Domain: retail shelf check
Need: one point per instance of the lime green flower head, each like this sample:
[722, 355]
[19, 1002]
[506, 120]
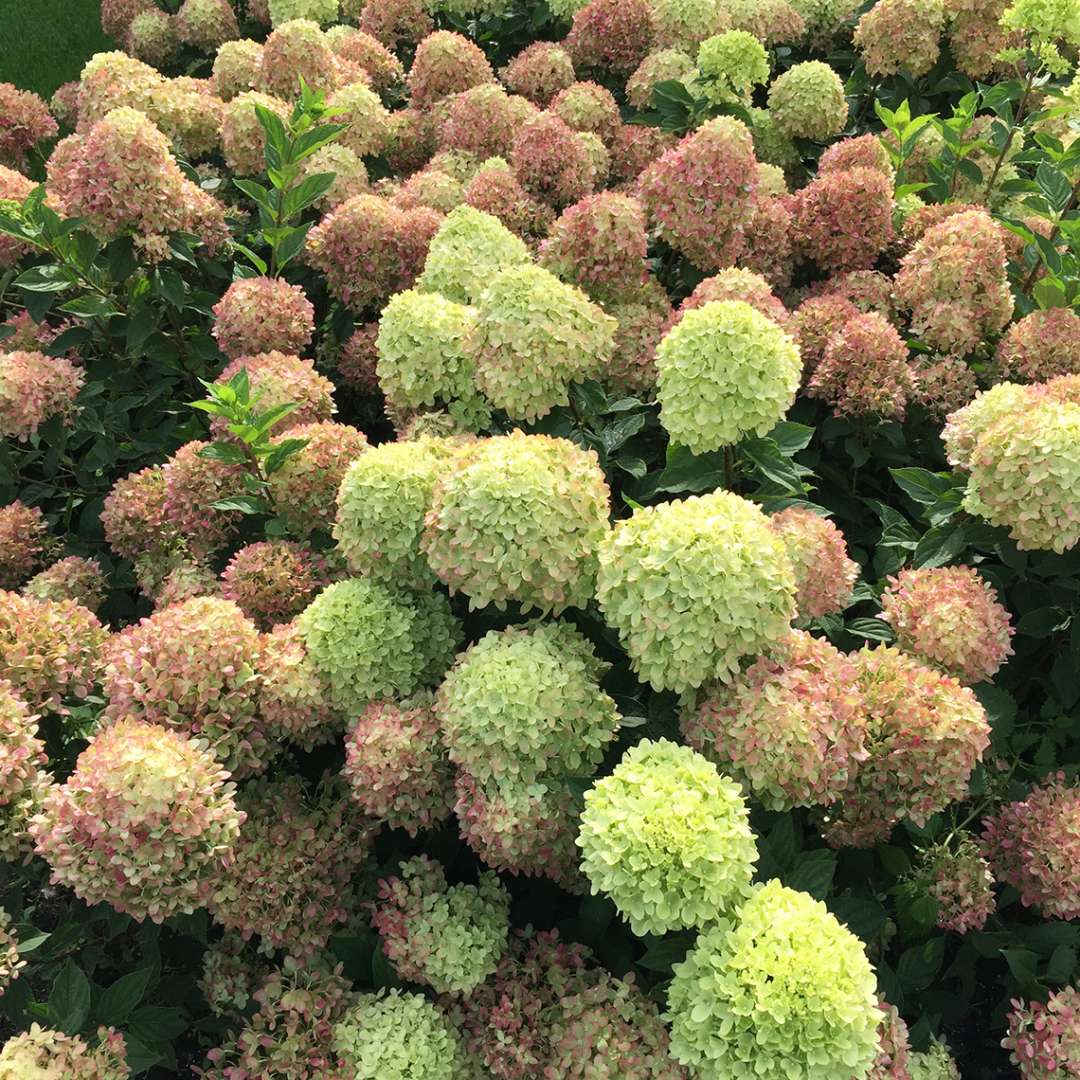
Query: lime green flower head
[320, 11]
[1051, 20]
[469, 248]
[525, 703]
[520, 518]
[725, 371]
[935, 1063]
[694, 586]
[731, 65]
[667, 838]
[808, 101]
[399, 1036]
[367, 642]
[422, 357]
[381, 506]
[781, 992]
[534, 336]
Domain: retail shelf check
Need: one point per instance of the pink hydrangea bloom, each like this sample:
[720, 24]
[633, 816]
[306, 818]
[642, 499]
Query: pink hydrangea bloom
[358, 357]
[552, 162]
[24, 540]
[1040, 346]
[960, 883]
[1034, 845]
[824, 575]
[371, 56]
[950, 617]
[901, 34]
[396, 765]
[293, 699]
[736, 284]
[496, 191]
[396, 22]
[539, 72]
[925, 733]
[943, 384]
[858, 152]
[15, 187]
[767, 242]
[35, 388]
[445, 63]
[74, 578]
[893, 1047]
[141, 822]
[611, 36]
[134, 515]
[192, 485]
[296, 50]
[280, 379]
[700, 192]
[273, 580]
[206, 24]
[587, 107]
[1044, 1039]
[260, 314]
[814, 323]
[24, 121]
[790, 727]
[116, 15]
[24, 776]
[193, 667]
[864, 370]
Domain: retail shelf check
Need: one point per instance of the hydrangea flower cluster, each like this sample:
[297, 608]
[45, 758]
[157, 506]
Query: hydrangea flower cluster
[368, 249]
[47, 1053]
[960, 883]
[519, 518]
[24, 122]
[35, 388]
[551, 161]
[24, 539]
[24, 781]
[864, 370]
[524, 705]
[790, 728]
[925, 733]
[290, 1034]
[667, 838]
[236, 68]
[74, 578]
[723, 372]
[824, 575]
[304, 489]
[731, 65]
[1032, 846]
[1040, 346]
[368, 643]
[1024, 472]
[141, 823]
[783, 986]
[231, 973]
[292, 699]
[949, 617]
[288, 875]
[1044, 1038]
[807, 102]
[152, 37]
[533, 336]
[694, 586]
[394, 1035]
[278, 378]
[901, 34]
[699, 193]
[449, 937]
[396, 765]
[261, 315]
[610, 36]
[936, 1063]
[954, 283]
[539, 72]
[49, 649]
[10, 964]
[271, 581]
[445, 63]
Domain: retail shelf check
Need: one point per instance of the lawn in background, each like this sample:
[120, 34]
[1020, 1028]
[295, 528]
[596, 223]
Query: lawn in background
[44, 43]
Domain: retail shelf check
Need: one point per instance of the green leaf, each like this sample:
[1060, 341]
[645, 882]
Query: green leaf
[117, 1002]
[813, 873]
[1054, 185]
[69, 999]
[228, 453]
[791, 437]
[307, 192]
[89, 306]
[663, 953]
[920, 964]
[773, 465]
[281, 453]
[1041, 622]
[939, 545]
[289, 244]
[245, 504]
[141, 323]
[257, 193]
[870, 629]
[1022, 964]
[50, 278]
[921, 485]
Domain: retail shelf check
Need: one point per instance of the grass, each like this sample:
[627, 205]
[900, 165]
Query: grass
[46, 42]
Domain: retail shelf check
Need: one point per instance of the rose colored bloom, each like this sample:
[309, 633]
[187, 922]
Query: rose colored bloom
[643, 316]
[35, 388]
[552, 162]
[358, 357]
[772, 21]
[24, 540]
[49, 649]
[1034, 845]
[598, 242]
[767, 242]
[664, 65]
[735, 284]
[539, 72]
[496, 191]
[43, 1052]
[864, 370]
[430, 188]
[897, 35]
[1044, 1040]
[843, 220]
[396, 22]
[24, 776]
[814, 323]
[868, 290]
[141, 822]
[15, 187]
[858, 152]
[610, 36]
[288, 876]
[259, 315]
[64, 104]
[368, 249]
[976, 35]
[925, 733]
[633, 148]
[121, 177]
[445, 63]
[133, 516]
[790, 728]
[176, 580]
[483, 121]
[383, 68]
[824, 575]
[193, 667]
[273, 580]
[116, 15]
[960, 883]
[891, 1062]
[296, 50]
[950, 617]
[24, 122]
[293, 700]
[1040, 346]
[943, 385]
[954, 283]
[280, 379]
[396, 765]
[700, 192]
